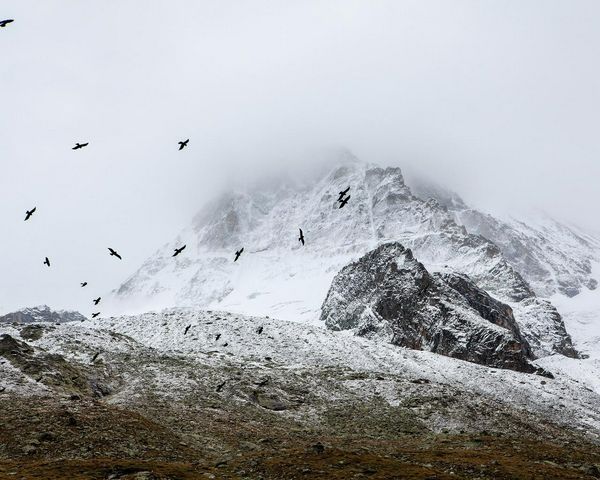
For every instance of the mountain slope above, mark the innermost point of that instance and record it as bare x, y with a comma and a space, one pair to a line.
277, 276
228, 396
551, 256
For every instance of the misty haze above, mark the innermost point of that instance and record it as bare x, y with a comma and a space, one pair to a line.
289, 240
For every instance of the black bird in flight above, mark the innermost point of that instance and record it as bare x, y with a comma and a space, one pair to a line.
4, 23
344, 201
29, 213
186, 329
182, 145
97, 300
221, 385
95, 356
301, 237
238, 253
83, 284
259, 330
80, 145
94, 315
218, 336
343, 194
178, 251
47, 262
114, 253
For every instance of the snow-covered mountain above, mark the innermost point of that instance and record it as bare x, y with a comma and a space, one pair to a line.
279, 277
42, 313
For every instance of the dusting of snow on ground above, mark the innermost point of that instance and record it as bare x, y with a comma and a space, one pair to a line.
216, 337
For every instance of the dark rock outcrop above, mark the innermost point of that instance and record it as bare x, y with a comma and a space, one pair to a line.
388, 292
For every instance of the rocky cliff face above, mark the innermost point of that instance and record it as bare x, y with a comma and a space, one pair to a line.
388, 292
42, 313
278, 277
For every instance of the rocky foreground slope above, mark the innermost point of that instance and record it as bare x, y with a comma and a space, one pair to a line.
248, 397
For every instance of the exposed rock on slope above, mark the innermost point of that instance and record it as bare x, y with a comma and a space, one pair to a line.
389, 292
548, 337
42, 313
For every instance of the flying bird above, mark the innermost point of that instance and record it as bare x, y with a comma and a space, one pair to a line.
259, 330
47, 262
186, 329
301, 237
344, 201
94, 315
218, 336
220, 386
29, 213
4, 23
95, 356
113, 253
97, 300
178, 251
238, 253
80, 145
343, 194
182, 145
84, 284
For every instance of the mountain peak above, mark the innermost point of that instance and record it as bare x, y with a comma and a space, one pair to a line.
280, 277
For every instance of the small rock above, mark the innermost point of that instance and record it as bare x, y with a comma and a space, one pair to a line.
29, 449
318, 447
593, 471
46, 437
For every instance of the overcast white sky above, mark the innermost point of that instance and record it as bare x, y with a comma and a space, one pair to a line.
497, 99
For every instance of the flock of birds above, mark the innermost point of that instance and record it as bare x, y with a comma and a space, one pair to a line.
342, 200
112, 252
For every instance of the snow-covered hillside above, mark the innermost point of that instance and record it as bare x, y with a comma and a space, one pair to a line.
215, 385
287, 351
553, 257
